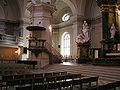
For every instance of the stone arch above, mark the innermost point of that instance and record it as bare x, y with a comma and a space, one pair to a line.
71, 5
19, 8
62, 12
12, 10
22, 7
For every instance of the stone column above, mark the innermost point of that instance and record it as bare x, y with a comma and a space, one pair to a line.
75, 28
2, 27
41, 14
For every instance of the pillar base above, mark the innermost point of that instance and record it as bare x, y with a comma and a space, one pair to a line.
84, 50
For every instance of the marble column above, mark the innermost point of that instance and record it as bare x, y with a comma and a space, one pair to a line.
105, 24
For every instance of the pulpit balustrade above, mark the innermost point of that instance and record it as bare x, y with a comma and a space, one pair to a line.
38, 45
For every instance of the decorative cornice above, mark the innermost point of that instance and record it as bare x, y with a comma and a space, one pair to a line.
66, 23
106, 2
62, 25
107, 5
26, 20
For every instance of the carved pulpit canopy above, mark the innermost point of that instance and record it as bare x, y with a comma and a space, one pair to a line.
35, 28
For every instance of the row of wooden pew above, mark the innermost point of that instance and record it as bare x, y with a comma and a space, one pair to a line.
48, 82
70, 84
62, 84
108, 86
13, 68
106, 61
32, 75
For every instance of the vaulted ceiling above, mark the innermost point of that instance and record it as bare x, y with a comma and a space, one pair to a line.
85, 8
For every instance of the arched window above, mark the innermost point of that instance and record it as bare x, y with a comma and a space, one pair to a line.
65, 17
65, 44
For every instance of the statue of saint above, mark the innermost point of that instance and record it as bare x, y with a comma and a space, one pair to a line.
84, 35
112, 30
85, 31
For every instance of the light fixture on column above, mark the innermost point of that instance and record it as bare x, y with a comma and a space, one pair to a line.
18, 51
118, 10
50, 28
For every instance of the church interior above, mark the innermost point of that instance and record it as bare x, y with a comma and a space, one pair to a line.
60, 44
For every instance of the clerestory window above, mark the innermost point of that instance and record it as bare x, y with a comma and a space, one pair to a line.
66, 17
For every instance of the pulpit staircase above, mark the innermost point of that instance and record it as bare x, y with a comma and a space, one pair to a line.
55, 56
38, 46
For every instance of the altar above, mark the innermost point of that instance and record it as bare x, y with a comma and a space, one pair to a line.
112, 55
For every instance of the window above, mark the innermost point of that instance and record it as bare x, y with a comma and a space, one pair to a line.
65, 44
66, 17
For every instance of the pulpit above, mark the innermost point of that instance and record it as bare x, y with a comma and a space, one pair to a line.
40, 34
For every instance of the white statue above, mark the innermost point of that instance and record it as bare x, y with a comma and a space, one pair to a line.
80, 38
112, 30
33, 1
85, 31
84, 35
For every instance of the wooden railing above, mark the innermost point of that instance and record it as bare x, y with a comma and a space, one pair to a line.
14, 61
56, 57
36, 43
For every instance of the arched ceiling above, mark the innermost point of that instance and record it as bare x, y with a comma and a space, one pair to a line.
62, 8
11, 9
2, 14
71, 5
84, 8
74, 7
22, 5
